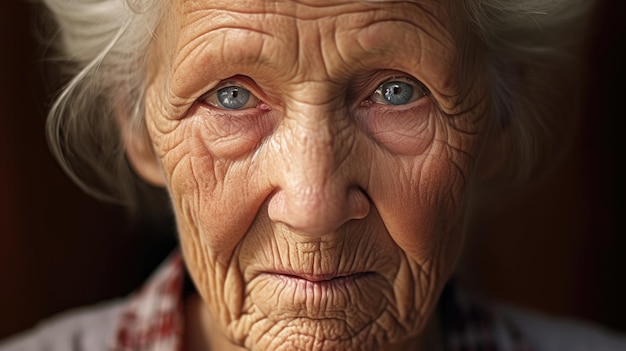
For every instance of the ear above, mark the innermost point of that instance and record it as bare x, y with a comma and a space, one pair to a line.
139, 151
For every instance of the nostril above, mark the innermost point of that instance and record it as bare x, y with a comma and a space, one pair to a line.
359, 203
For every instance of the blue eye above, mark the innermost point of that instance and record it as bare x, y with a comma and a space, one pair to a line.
231, 97
398, 93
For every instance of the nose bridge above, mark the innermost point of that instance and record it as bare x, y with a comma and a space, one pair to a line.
313, 144
316, 191
313, 124
313, 183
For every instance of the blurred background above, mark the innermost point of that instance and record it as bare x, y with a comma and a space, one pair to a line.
557, 248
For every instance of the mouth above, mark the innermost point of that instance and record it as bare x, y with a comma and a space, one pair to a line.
327, 281
319, 296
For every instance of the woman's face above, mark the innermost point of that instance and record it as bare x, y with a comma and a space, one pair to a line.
316, 153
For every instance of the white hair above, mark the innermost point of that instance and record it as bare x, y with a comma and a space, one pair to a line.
533, 48
105, 43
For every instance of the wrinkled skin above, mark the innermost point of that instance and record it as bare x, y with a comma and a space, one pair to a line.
317, 216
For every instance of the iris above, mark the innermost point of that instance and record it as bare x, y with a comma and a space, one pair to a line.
233, 97
397, 93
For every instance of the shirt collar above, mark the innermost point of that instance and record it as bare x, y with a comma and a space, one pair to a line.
153, 318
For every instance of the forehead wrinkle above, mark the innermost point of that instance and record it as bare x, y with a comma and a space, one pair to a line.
434, 21
217, 22
380, 45
289, 8
379, 13
226, 44
199, 49
438, 15
316, 10
199, 59
312, 62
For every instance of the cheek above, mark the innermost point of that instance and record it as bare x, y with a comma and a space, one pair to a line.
420, 197
216, 192
208, 170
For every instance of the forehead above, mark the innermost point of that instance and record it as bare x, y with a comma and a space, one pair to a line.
268, 5
294, 40
378, 23
434, 11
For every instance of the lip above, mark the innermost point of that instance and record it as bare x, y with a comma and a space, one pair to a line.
319, 296
320, 279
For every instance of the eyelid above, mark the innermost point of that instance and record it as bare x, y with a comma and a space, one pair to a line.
406, 79
420, 89
365, 86
232, 81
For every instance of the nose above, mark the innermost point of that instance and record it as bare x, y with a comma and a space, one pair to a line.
317, 181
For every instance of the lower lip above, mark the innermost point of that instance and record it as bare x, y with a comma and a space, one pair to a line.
321, 285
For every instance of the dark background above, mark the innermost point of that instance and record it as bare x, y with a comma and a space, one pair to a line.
557, 248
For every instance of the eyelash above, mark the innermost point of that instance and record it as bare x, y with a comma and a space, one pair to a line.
385, 91
418, 91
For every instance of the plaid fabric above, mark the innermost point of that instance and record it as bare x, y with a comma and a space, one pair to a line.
154, 321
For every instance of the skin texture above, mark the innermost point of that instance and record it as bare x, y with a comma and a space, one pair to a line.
317, 217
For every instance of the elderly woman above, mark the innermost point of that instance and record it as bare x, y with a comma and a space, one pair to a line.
320, 156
